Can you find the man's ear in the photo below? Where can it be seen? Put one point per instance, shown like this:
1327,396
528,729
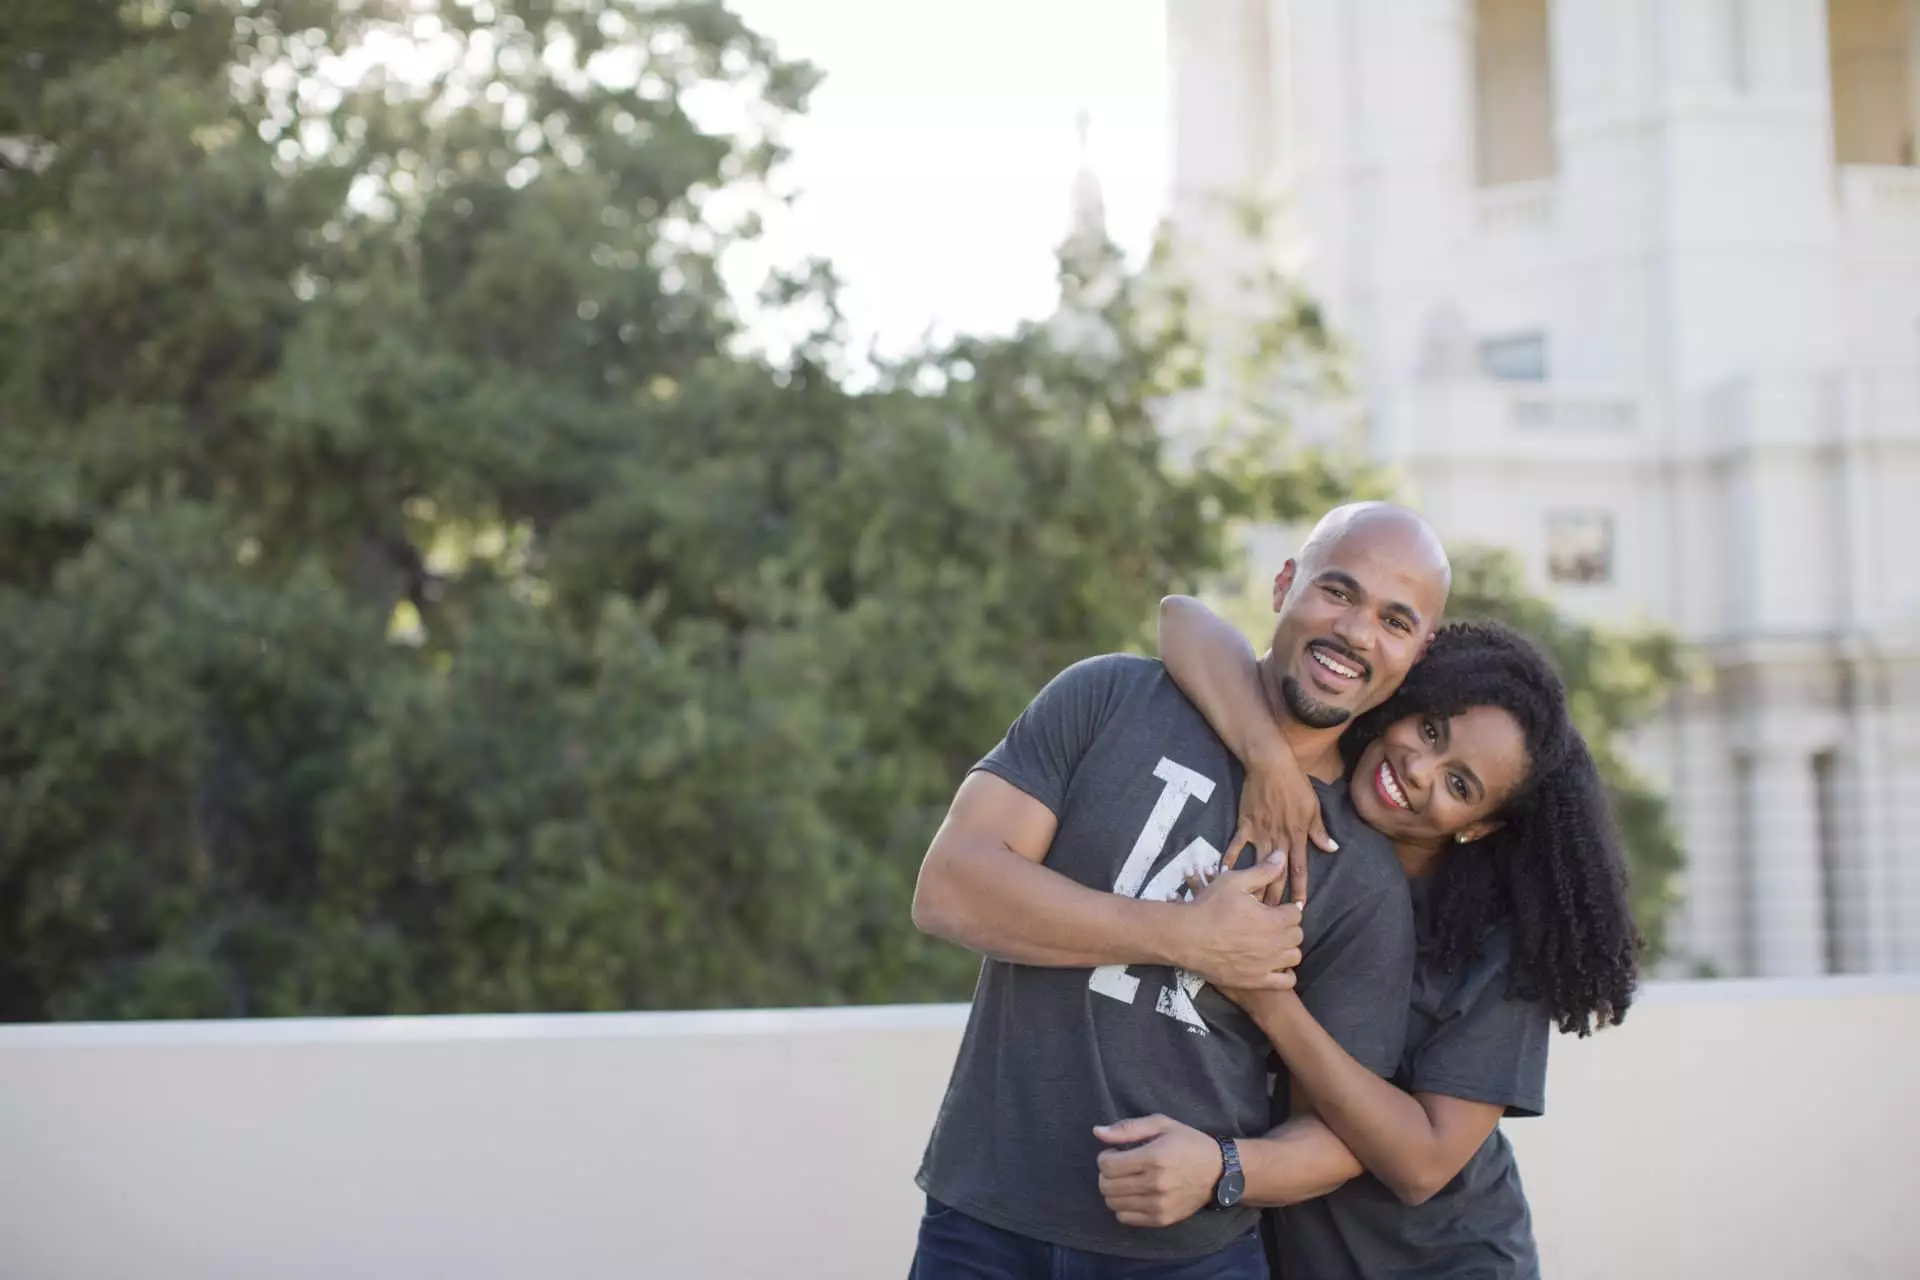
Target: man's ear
1283,583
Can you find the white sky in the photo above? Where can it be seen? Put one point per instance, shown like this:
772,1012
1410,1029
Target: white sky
935,162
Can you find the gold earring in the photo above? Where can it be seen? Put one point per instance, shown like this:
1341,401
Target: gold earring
1460,837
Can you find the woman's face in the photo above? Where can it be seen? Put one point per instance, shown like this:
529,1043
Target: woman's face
1431,778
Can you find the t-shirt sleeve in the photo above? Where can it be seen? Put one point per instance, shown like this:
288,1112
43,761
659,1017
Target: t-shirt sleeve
1046,742
1357,973
1494,1050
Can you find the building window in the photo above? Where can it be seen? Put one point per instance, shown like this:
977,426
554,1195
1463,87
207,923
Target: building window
1738,47
1515,357
1834,914
1580,547
1873,48
1513,91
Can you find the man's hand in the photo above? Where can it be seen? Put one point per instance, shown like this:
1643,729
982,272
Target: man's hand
1279,814
1166,1180
1237,941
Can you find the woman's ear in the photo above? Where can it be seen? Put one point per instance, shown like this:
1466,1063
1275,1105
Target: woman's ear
1477,830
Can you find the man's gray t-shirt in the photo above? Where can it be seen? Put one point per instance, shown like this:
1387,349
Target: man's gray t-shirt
1465,1039
1145,792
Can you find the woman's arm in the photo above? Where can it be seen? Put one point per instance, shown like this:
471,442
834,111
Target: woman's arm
1170,1175
1415,1143
1215,667
1301,1160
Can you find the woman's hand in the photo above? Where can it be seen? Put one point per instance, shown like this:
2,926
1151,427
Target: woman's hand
1279,814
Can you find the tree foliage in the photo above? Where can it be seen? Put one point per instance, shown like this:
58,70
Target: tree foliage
416,596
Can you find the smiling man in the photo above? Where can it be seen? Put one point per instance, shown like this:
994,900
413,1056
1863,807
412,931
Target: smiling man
1329,660
1063,859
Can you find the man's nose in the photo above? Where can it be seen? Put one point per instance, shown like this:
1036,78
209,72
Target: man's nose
1355,627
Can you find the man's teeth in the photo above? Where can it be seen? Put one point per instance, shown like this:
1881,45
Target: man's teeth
1334,665
1391,785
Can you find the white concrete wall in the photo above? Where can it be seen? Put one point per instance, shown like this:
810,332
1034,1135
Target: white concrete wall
1746,1130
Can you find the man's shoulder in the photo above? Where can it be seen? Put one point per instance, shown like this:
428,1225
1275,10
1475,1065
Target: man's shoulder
1117,677
1124,667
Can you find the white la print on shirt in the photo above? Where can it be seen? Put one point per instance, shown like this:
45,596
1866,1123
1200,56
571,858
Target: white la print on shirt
1113,980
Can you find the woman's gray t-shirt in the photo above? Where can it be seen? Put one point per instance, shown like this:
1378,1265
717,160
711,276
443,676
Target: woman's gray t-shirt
1465,1039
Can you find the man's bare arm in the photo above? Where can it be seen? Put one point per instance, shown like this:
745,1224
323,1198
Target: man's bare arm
983,886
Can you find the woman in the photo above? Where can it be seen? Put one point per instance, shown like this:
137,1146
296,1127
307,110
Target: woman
1474,771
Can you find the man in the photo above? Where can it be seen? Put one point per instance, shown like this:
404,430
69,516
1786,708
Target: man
1063,858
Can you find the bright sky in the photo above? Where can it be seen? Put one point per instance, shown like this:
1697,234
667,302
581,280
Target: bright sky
935,163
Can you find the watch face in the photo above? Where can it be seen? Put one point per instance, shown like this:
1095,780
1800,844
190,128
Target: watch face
1233,1185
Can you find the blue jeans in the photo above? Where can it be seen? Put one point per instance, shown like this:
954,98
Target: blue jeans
956,1247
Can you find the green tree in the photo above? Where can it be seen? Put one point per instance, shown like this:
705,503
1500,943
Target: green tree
412,598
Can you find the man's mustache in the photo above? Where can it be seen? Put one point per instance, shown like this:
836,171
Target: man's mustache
1345,654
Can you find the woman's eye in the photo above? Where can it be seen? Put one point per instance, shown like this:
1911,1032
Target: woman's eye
1428,731
1459,787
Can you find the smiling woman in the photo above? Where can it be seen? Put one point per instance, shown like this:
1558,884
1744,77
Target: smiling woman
1473,769
1431,776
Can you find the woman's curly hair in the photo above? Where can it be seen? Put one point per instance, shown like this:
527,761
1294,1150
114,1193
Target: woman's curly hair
1553,871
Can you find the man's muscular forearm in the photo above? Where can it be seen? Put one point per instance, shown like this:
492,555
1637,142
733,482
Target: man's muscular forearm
990,899
985,886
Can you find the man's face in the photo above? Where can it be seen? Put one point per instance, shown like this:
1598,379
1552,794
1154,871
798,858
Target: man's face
1353,619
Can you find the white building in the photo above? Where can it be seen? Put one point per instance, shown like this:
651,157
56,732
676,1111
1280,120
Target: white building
1636,290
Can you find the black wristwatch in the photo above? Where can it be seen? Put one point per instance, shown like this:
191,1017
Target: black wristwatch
1233,1183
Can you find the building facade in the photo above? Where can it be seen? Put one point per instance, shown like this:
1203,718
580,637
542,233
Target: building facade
1635,290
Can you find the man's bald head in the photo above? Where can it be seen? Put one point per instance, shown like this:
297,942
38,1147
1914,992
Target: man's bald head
1356,610
1398,531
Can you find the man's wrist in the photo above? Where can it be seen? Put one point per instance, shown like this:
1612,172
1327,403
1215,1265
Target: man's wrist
1173,936
1230,1183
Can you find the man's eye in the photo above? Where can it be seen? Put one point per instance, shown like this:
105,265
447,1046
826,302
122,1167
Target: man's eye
1398,624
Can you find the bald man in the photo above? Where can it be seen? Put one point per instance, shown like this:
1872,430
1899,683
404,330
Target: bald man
1064,860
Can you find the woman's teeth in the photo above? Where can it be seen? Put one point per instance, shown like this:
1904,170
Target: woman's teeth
1391,786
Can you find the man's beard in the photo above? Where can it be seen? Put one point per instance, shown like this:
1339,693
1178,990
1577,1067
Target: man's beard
1309,710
